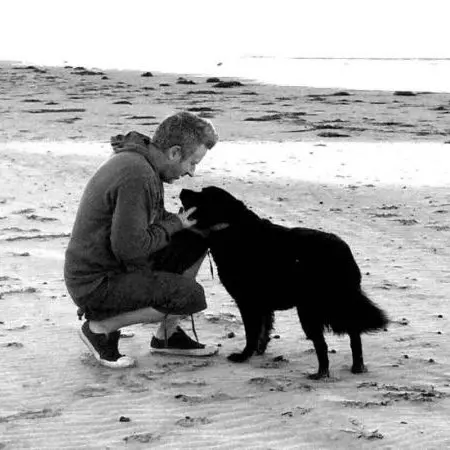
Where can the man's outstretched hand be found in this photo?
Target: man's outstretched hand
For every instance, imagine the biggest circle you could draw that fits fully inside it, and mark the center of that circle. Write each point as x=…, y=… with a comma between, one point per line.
x=184, y=217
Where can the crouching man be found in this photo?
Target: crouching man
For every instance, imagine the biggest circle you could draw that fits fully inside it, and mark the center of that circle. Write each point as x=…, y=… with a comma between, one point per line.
x=130, y=261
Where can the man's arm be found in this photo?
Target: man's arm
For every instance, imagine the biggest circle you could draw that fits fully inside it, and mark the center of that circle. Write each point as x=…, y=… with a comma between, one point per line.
x=133, y=238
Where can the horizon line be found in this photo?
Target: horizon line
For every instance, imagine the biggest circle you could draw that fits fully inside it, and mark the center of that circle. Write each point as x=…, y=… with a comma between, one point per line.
x=378, y=58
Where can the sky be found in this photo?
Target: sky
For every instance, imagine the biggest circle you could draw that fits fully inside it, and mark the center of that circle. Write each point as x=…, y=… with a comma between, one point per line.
x=129, y=32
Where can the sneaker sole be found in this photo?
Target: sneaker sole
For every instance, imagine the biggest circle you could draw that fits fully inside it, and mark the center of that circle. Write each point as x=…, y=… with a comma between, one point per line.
x=122, y=363
x=207, y=351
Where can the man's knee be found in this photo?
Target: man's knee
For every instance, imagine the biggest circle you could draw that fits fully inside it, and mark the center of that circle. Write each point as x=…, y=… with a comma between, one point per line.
x=197, y=298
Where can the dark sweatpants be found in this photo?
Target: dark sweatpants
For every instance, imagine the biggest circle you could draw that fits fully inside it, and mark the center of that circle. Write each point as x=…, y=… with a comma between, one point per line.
x=159, y=285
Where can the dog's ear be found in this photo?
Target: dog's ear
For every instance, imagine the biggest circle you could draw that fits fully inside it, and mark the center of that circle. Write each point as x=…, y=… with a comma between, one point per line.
x=188, y=198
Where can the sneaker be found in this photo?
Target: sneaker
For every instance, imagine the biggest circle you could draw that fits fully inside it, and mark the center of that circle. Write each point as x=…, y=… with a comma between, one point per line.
x=179, y=343
x=105, y=348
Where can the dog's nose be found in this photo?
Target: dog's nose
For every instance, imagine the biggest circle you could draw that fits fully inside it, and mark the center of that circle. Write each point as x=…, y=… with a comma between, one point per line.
x=184, y=195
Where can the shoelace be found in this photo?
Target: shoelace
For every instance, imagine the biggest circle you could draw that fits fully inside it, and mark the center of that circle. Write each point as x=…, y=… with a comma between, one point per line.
x=193, y=328
x=210, y=263
x=166, y=339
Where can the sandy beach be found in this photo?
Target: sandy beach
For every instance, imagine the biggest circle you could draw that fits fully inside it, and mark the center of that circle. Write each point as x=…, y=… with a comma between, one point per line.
x=371, y=166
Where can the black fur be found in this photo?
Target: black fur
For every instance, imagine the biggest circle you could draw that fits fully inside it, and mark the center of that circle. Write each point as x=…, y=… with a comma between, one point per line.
x=267, y=267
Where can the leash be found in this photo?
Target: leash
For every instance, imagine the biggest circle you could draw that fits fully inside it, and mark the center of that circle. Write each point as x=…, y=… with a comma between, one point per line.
x=210, y=264
x=194, y=331
x=193, y=328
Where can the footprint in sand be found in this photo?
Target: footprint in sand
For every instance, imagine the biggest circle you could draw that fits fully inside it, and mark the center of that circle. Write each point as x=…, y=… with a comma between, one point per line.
x=332, y=134
x=195, y=399
x=129, y=383
x=268, y=383
x=188, y=422
x=275, y=363
x=298, y=410
x=28, y=290
x=407, y=222
x=223, y=318
x=69, y=120
x=142, y=438
x=151, y=375
x=184, y=383
x=92, y=391
x=12, y=345
x=265, y=118
x=439, y=227
x=281, y=383
x=187, y=366
x=363, y=405
x=6, y=278
x=24, y=211
x=384, y=215
x=17, y=327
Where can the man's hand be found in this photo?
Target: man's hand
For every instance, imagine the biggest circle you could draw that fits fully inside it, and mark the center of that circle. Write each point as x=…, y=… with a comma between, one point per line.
x=184, y=217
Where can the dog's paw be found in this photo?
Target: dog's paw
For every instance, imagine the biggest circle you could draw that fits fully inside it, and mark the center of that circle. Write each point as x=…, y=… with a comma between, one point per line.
x=319, y=375
x=359, y=368
x=237, y=357
x=262, y=346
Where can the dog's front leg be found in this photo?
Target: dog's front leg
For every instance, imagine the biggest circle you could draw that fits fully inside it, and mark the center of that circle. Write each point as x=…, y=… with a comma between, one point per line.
x=252, y=323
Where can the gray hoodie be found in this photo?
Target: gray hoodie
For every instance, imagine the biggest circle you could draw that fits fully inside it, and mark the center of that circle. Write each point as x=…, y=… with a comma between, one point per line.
x=121, y=220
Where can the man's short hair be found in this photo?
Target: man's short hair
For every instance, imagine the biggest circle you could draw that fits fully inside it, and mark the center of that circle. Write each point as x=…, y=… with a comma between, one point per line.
x=186, y=130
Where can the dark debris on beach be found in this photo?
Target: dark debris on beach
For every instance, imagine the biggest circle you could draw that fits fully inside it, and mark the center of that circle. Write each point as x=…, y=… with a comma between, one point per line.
x=241, y=109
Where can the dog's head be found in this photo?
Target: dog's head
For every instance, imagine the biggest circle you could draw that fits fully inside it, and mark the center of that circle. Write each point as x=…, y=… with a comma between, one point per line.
x=215, y=207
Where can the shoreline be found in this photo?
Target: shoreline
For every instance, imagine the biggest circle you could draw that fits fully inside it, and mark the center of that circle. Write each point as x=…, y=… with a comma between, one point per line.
x=417, y=164
x=414, y=74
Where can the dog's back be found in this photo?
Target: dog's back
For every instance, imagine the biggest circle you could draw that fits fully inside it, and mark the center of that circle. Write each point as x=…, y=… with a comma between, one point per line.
x=280, y=265
x=327, y=255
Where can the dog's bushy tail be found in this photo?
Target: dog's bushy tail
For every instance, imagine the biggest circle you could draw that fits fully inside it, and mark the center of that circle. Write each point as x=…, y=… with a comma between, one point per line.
x=368, y=316
x=357, y=313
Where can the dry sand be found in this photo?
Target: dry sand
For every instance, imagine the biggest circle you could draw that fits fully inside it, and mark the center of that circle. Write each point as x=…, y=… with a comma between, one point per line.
x=395, y=215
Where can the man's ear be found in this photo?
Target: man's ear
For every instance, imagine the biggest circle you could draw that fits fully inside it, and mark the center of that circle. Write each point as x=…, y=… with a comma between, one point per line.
x=174, y=153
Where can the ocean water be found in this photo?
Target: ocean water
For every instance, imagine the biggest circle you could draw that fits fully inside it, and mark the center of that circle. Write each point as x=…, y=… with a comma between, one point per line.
x=271, y=42
x=430, y=75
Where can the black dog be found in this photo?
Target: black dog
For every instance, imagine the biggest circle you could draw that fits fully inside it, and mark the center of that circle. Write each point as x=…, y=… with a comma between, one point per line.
x=267, y=267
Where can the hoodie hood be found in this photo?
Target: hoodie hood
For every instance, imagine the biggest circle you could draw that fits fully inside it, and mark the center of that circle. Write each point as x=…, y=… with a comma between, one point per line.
x=132, y=142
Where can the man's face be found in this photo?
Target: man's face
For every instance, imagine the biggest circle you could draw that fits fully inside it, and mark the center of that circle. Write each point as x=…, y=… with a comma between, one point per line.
x=177, y=167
